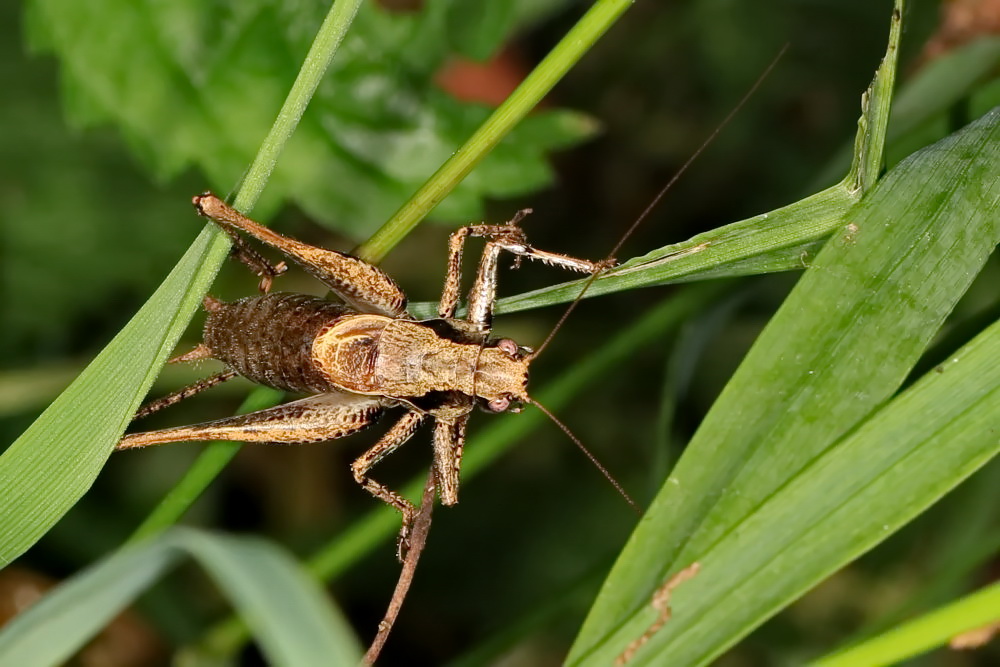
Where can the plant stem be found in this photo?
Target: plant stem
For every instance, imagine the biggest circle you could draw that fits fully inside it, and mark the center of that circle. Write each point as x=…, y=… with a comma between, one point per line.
x=536, y=86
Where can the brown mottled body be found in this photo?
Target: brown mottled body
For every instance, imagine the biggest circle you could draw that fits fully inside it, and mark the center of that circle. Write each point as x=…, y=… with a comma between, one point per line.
x=362, y=356
x=269, y=339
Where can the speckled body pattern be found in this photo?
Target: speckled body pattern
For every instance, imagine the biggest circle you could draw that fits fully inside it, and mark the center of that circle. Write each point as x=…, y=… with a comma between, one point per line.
x=269, y=338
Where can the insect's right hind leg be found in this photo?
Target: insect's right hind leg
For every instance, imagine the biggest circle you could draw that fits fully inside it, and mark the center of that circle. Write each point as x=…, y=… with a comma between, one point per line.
x=314, y=419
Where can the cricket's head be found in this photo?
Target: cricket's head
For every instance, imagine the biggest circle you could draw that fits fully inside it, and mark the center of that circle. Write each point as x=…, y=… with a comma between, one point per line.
x=501, y=379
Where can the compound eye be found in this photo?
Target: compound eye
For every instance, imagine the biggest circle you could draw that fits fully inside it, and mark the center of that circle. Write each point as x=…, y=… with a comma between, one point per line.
x=498, y=404
x=508, y=346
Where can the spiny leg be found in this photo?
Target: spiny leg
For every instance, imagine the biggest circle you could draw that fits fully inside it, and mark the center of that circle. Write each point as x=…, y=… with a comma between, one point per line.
x=181, y=394
x=314, y=419
x=400, y=432
x=511, y=238
x=200, y=351
x=449, y=442
x=456, y=244
x=361, y=285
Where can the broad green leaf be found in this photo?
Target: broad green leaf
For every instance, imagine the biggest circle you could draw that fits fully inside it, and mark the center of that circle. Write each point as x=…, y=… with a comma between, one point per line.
x=793, y=473
x=853, y=496
x=213, y=76
x=290, y=614
x=46, y=470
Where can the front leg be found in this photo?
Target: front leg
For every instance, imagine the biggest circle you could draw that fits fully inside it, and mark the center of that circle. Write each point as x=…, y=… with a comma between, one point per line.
x=456, y=245
x=510, y=238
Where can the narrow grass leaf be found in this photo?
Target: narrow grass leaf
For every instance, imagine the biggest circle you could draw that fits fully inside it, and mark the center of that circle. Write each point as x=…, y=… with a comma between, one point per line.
x=785, y=239
x=929, y=93
x=58, y=625
x=288, y=613
x=570, y=49
x=46, y=470
x=929, y=631
x=781, y=240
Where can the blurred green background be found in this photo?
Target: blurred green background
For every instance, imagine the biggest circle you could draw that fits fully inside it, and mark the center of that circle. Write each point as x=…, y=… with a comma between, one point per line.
x=91, y=223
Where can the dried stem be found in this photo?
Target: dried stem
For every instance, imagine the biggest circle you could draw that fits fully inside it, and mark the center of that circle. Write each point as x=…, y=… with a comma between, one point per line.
x=418, y=538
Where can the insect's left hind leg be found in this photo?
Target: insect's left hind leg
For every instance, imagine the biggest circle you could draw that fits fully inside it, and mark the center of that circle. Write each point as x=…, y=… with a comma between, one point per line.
x=181, y=394
x=363, y=286
x=314, y=419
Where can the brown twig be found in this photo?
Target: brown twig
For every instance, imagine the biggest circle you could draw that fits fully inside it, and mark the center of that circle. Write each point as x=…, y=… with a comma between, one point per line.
x=977, y=638
x=661, y=603
x=418, y=538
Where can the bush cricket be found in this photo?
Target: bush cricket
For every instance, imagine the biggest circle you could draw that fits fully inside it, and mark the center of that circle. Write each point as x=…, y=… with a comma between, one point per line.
x=366, y=355
x=363, y=356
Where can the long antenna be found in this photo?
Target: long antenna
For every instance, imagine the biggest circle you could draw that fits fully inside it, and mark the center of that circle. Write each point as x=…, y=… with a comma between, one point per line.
x=587, y=453
x=663, y=191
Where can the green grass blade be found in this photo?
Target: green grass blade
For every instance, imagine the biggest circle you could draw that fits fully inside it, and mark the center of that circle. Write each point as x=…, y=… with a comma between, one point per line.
x=929, y=93
x=532, y=90
x=924, y=633
x=838, y=348
x=781, y=240
x=289, y=613
x=46, y=470
x=55, y=627
x=320, y=54
x=876, y=102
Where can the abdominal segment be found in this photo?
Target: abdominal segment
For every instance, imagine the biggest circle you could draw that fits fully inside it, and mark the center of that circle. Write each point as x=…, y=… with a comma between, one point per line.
x=268, y=339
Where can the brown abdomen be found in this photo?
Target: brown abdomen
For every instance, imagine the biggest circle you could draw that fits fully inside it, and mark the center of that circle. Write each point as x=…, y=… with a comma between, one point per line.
x=268, y=339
